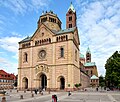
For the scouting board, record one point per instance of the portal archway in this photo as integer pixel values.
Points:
(61, 82)
(25, 83)
(43, 81)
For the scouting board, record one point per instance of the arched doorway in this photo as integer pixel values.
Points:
(62, 83)
(25, 83)
(43, 81)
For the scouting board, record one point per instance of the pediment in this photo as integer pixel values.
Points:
(42, 32)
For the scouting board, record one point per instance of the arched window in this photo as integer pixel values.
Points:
(61, 52)
(75, 55)
(57, 39)
(91, 72)
(70, 25)
(49, 40)
(66, 37)
(25, 57)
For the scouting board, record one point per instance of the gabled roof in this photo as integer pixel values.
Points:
(53, 31)
(71, 8)
(94, 77)
(65, 30)
(87, 64)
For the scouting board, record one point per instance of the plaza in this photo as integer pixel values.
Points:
(91, 95)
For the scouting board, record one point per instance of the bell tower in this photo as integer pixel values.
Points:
(50, 20)
(88, 55)
(71, 17)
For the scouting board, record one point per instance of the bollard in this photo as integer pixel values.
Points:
(17, 90)
(49, 91)
(21, 96)
(3, 99)
(32, 95)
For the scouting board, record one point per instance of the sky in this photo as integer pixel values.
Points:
(98, 23)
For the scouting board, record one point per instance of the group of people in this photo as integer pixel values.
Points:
(40, 91)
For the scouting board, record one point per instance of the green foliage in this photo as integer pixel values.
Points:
(68, 85)
(101, 81)
(77, 85)
(112, 67)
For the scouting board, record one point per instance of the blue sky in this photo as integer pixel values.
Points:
(98, 23)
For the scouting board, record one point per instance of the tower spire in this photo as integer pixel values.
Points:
(88, 55)
(71, 7)
(71, 17)
(88, 50)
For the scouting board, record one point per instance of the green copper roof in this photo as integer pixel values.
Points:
(59, 32)
(88, 50)
(66, 30)
(26, 39)
(87, 64)
(94, 77)
(81, 56)
(71, 7)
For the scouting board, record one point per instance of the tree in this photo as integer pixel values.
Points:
(101, 81)
(112, 67)
(77, 85)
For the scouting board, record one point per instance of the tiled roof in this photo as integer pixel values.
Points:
(65, 30)
(89, 64)
(94, 77)
(5, 75)
(26, 39)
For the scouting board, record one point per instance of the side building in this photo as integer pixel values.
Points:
(6, 80)
(91, 69)
(84, 77)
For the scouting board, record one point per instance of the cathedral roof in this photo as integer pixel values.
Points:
(26, 39)
(65, 30)
(94, 77)
(87, 64)
(71, 8)
(81, 56)
(56, 32)
(88, 50)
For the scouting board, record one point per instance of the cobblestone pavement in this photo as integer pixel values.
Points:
(81, 96)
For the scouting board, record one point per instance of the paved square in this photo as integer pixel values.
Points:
(88, 96)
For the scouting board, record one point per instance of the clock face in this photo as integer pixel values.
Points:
(42, 54)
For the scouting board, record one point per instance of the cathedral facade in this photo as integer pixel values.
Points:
(49, 59)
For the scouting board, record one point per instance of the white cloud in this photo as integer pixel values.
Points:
(99, 24)
(8, 66)
(10, 43)
(22, 6)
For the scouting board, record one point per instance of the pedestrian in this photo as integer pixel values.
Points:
(97, 89)
(35, 91)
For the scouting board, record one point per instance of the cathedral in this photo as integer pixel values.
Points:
(49, 59)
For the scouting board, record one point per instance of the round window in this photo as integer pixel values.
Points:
(42, 54)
